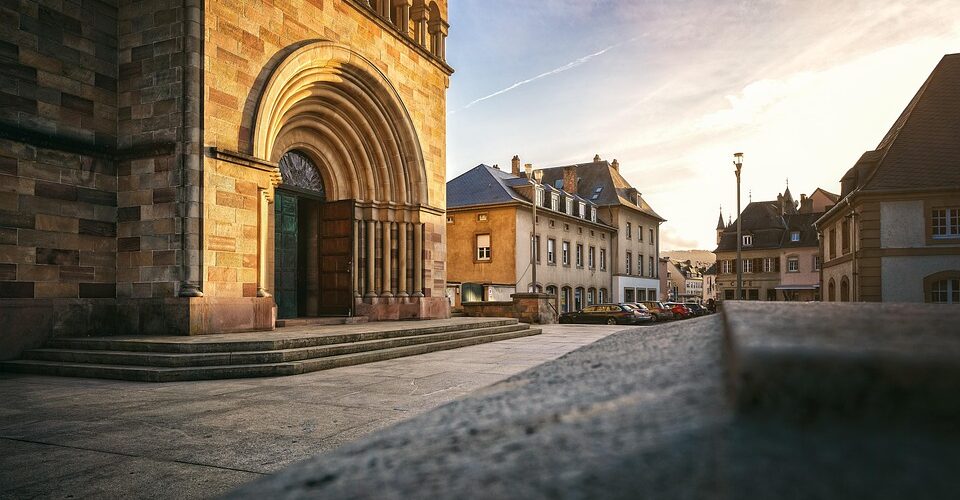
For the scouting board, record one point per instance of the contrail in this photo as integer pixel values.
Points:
(561, 69)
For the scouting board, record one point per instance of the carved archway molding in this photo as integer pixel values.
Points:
(335, 106)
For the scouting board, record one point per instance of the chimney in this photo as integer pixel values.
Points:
(496, 167)
(780, 203)
(806, 204)
(570, 179)
(596, 158)
(615, 165)
(515, 165)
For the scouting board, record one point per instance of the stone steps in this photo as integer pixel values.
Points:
(131, 359)
(351, 320)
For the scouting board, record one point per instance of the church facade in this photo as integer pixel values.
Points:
(206, 167)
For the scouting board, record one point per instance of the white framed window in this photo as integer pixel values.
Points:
(569, 209)
(579, 255)
(725, 266)
(747, 265)
(592, 257)
(640, 264)
(593, 214)
(747, 240)
(481, 217)
(583, 210)
(551, 251)
(603, 259)
(946, 291)
(768, 265)
(793, 264)
(565, 251)
(629, 231)
(629, 264)
(539, 195)
(945, 223)
(794, 235)
(555, 201)
(483, 247)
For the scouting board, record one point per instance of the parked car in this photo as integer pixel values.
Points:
(697, 309)
(611, 314)
(680, 311)
(658, 310)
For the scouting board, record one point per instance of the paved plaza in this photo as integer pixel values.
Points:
(86, 437)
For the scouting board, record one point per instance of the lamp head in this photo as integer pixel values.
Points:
(538, 175)
(738, 159)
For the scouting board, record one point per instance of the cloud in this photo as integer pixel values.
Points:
(570, 65)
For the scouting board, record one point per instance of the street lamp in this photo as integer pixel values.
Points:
(738, 162)
(535, 180)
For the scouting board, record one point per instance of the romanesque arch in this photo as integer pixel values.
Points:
(336, 107)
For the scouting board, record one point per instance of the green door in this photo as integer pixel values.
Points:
(285, 260)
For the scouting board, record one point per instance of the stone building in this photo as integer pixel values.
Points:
(197, 167)
(636, 249)
(894, 235)
(779, 251)
(490, 239)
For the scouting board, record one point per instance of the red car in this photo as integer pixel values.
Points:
(679, 310)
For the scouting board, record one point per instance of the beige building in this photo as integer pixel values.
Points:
(637, 246)
(779, 249)
(204, 167)
(490, 230)
(894, 235)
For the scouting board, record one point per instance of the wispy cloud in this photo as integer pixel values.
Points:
(566, 67)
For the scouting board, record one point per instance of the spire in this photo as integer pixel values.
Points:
(720, 221)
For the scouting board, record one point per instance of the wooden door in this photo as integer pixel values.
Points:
(336, 258)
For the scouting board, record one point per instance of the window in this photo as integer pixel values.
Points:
(552, 223)
(639, 233)
(832, 291)
(640, 264)
(793, 264)
(629, 231)
(844, 289)
(536, 247)
(593, 214)
(578, 299)
(583, 210)
(566, 227)
(602, 295)
(483, 247)
(816, 262)
(945, 291)
(747, 240)
(555, 201)
(833, 243)
(629, 264)
(596, 193)
(449, 219)
(565, 253)
(651, 236)
(795, 236)
(946, 223)
(845, 236)
(592, 257)
(591, 296)
(579, 255)
(565, 299)
(481, 217)
(603, 259)
(551, 251)
(569, 209)
(768, 265)
(725, 267)
(747, 265)
(539, 197)
(629, 295)
(653, 273)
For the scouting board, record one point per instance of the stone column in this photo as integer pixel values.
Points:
(385, 278)
(419, 14)
(371, 258)
(418, 260)
(402, 10)
(262, 230)
(355, 267)
(402, 262)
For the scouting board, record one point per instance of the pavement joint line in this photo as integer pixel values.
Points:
(133, 455)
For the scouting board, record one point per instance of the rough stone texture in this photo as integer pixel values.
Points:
(642, 413)
(107, 439)
(882, 361)
(527, 307)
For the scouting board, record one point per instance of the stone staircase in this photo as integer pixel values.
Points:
(257, 354)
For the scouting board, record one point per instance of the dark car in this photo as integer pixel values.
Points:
(659, 311)
(611, 314)
(697, 309)
(680, 311)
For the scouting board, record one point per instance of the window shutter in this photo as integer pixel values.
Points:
(757, 265)
(734, 264)
(776, 264)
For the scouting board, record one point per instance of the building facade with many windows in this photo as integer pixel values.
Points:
(894, 235)
(491, 249)
(634, 267)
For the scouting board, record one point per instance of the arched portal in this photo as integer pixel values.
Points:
(353, 173)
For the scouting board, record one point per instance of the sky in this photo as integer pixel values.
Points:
(672, 88)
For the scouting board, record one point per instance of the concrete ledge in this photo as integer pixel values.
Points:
(866, 361)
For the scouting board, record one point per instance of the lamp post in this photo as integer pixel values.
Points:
(535, 180)
(738, 162)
